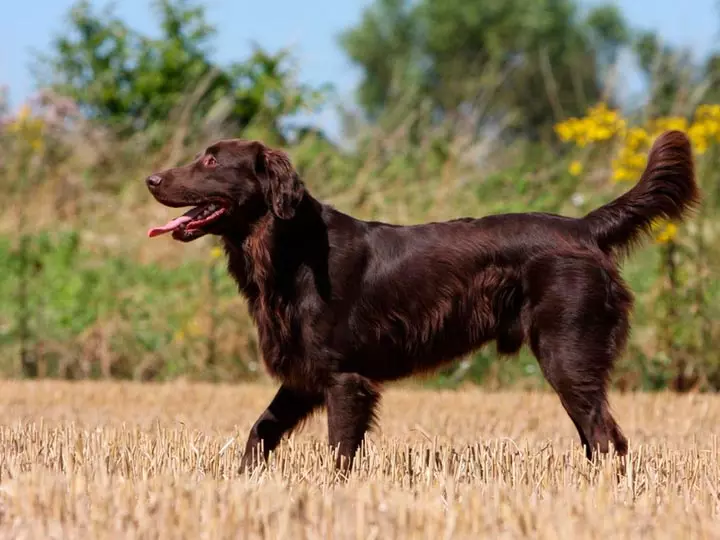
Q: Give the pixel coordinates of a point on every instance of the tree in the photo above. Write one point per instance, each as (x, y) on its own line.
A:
(130, 81)
(535, 61)
(669, 74)
(385, 45)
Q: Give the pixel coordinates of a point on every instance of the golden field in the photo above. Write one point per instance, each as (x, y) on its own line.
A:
(122, 460)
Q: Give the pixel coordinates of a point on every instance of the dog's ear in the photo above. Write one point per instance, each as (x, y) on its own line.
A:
(283, 188)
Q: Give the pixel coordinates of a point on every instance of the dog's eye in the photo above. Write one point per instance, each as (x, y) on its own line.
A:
(210, 161)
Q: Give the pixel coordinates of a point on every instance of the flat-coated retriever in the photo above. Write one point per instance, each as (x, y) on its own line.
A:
(342, 305)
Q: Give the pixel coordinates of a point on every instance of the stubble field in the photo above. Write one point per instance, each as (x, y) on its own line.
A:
(112, 460)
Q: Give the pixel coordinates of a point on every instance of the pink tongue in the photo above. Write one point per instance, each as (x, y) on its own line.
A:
(169, 226)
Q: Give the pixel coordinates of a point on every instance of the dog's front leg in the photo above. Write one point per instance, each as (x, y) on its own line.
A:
(287, 409)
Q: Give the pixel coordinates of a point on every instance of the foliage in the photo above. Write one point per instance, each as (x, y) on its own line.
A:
(132, 82)
(684, 273)
(85, 294)
(104, 316)
(102, 301)
(603, 125)
(532, 61)
(28, 129)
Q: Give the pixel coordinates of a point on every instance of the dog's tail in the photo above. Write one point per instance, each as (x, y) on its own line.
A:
(666, 189)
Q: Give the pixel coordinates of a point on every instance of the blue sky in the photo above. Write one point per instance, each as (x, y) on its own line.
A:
(308, 27)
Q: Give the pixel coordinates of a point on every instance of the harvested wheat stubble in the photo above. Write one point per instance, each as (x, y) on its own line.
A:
(110, 460)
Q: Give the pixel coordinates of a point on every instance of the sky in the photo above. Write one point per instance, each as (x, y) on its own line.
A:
(309, 28)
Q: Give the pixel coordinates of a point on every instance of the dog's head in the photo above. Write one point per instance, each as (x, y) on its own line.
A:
(226, 184)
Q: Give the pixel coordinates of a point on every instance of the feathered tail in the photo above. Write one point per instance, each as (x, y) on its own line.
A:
(666, 189)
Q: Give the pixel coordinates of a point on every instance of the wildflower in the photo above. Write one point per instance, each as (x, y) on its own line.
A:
(601, 123)
(193, 327)
(602, 133)
(23, 114)
(575, 168)
(564, 131)
(667, 234)
(707, 112)
(670, 123)
(699, 137)
(636, 137)
(621, 174)
(28, 128)
(636, 161)
(216, 252)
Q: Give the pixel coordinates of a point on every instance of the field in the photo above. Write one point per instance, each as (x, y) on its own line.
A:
(143, 460)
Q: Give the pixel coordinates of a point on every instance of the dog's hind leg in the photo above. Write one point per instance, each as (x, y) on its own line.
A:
(578, 327)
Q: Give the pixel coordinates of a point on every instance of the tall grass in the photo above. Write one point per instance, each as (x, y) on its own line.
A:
(86, 294)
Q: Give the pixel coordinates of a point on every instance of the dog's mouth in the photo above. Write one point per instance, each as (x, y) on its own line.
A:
(193, 223)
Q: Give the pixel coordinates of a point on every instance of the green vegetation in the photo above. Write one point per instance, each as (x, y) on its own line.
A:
(465, 116)
(133, 83)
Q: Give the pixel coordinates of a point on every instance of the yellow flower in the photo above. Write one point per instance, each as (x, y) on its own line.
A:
(37, 145)
(193, 327)
(23, 113)
(600, 124)
(216, 252)
(704, 130)
(711, 127)
(564, 131)
(179, 336)
(670, 123)
(29, 129)
(636, 137)
(602, 134)
(575, 168)
(698, 134)
(707, 112)
(621, 174)
(637, 161)
(667, 234)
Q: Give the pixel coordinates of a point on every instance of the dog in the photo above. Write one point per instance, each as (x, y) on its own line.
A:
(342, 305)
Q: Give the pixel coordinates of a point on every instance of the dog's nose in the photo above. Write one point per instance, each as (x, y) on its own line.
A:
(153, 180)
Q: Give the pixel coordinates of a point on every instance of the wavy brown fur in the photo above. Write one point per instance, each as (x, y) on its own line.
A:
(343, 305)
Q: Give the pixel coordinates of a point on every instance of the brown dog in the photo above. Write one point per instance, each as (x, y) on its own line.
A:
(342, 305)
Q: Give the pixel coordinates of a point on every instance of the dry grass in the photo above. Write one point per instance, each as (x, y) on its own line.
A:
(109, 460)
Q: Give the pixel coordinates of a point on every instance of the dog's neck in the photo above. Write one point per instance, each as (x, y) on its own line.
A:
(268, 261)
(256, 249)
